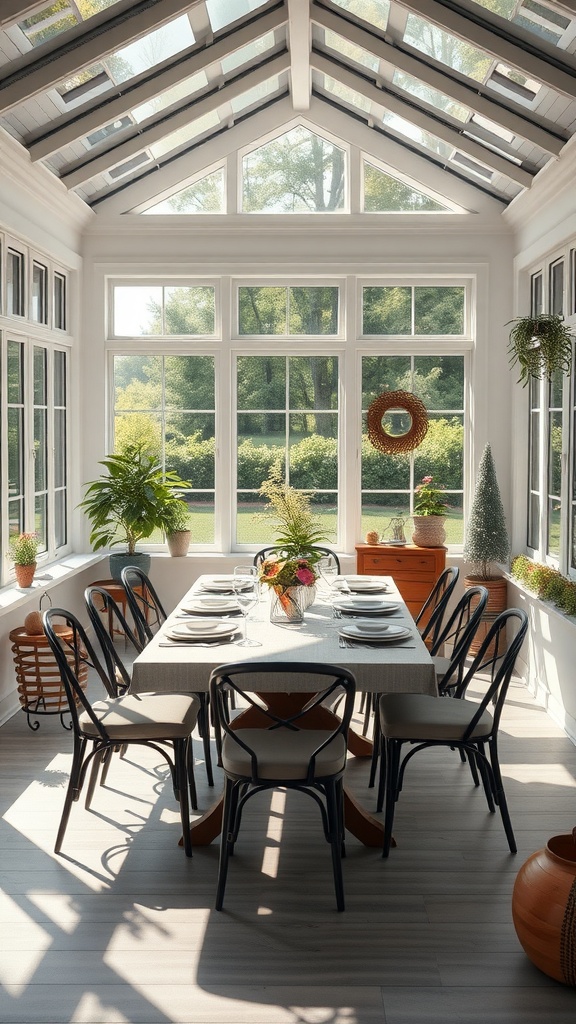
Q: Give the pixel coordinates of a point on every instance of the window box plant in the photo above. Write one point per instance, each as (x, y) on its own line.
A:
(429, 514)
(23, 552)
(129, 502)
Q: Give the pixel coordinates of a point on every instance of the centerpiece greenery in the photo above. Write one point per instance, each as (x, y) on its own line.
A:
(296, 528)
(290, 579)
(541, 345)
(135, 497)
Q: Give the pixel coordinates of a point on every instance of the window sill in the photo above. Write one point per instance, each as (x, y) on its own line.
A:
(46, 579)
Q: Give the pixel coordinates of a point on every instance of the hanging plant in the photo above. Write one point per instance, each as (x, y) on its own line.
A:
(540, 345)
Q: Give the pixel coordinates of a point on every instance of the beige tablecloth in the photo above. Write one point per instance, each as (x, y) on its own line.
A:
(402, 669)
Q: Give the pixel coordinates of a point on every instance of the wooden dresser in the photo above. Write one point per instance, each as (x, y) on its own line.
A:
(415, 570)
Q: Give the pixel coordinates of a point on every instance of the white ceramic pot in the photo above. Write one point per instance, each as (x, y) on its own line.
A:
(429, 531)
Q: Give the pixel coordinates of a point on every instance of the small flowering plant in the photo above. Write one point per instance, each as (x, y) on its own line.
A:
(282, 573)
(24, 548)
(428, 498)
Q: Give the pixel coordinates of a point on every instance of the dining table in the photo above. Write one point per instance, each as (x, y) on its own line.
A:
(182, 655)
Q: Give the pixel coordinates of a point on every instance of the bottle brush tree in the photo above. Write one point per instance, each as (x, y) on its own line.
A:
(486, 534)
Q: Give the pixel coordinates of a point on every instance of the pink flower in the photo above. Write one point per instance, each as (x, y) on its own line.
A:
(305, 576)
(427, 479)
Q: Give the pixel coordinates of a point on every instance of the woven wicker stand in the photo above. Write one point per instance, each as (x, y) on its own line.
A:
(40, 688)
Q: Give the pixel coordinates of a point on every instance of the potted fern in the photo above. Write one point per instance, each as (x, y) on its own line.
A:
(540, 345)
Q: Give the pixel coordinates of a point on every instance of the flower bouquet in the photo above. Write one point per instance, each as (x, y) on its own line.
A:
(288, 579)
(428, 499)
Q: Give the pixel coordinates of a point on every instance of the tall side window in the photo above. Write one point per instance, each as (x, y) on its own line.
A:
(287, 420)
(15, 282)
(167, 403)
(59, 302)
(534, 428)
(60, 447)
(15, 435)
(39, 308)
(41, 445)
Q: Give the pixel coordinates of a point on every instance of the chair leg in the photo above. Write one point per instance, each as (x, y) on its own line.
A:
(181, 769)
(501, 796)
(225, 841)
(487, 780)
(368, 709)
(376, 740)
(98, 761)
(335, 838)
(73, 791)
(392, 757)
(190, 775)
(204, 730)
(381, 773)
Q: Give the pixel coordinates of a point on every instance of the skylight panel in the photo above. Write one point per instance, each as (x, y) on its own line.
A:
(350, 96)
(81, 85)
(224, 12)
(538, 18)
(183, 135)
(107, 131)
(144, 54)
(513, 83)
(55, 18)
(258, 92)
(247, 54)
(433, 97)
(493, 128)
(298, 172)
(375, 12)
(447, 49)
(418, 135)
(350, 51)
(184, 89)
(205, 196)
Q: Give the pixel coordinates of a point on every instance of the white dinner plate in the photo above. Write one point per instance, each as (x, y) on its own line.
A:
(365, 606)
(210, 605)
(207, 629)
(221, 586)
(367, 587)
(379, 631)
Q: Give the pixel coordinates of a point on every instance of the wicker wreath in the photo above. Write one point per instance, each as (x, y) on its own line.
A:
(396, 445)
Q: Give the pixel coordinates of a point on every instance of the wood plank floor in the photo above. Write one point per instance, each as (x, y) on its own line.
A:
(121, 927)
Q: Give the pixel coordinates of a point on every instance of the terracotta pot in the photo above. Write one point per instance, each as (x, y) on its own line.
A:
(544, 908)
(429, 531)
(497, 602)
(178, 543)
(25, 574)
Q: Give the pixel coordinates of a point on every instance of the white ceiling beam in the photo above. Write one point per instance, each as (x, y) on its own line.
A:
(17, 10)
(299, 36)
(82, 46)
(514, 121)
(560, 76)
(418, 117)
(171, 175)
(122, 99)
(78, 173)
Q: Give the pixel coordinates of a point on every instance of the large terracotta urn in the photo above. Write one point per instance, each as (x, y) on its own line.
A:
(429, 531)
(497, 602)
(544, 908)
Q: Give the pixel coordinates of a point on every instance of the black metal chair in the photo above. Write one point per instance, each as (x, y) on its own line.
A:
(148, 613)
(284, 753)
(314, 549)
(431, 615)
(459, 631)
(145, 606)
(150, 720)
(458, 723)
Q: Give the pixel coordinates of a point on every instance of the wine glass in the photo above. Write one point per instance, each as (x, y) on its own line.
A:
(246, 588)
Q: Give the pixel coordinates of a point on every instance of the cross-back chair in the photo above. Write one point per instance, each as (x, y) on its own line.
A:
(469, 726)
(148, 613)
(431, 615)
(284, 753)
(150, 720)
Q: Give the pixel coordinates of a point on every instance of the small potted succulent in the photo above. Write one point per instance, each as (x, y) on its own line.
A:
(23, 552)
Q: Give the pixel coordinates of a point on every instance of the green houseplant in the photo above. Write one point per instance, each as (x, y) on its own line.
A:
(296, 529)
(23, 552)
(540, 345)
(429, 514)
(177, 527)
(487, 542)
(126, 504)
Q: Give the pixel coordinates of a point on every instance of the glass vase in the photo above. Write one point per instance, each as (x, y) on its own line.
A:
(287, 605)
